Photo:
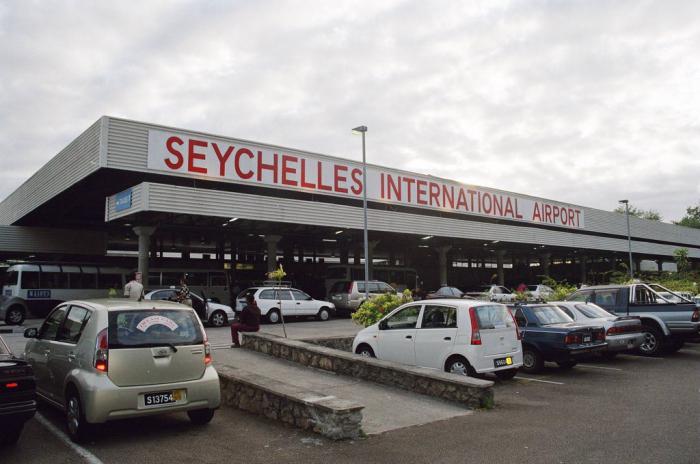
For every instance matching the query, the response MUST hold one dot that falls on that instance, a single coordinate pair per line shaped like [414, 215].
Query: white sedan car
[460, 336]
[290, 301]
[214, 314]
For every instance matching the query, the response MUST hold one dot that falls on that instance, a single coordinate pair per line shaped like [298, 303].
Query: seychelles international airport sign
[215, 159]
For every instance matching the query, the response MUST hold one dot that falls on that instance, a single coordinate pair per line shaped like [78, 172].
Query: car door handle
[46, 352]
[409, 336]
[71, 357]
[298, 302]
[447, 338]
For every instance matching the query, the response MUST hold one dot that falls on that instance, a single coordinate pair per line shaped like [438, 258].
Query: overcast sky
[586, 102]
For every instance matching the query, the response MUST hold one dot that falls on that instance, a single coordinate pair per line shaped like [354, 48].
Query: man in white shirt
[134, 288]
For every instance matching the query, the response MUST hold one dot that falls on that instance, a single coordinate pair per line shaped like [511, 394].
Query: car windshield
[340, 287]
[532, 288]
[547, 315]
[592, 311]
[3, 348]
[244, 294]
[494, 317]
[153, 327]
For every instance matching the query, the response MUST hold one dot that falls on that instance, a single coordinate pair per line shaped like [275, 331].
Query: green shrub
[375, 308]
[561, 289]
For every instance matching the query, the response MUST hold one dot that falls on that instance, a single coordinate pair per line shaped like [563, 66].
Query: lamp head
[623, 201]
[360, 129]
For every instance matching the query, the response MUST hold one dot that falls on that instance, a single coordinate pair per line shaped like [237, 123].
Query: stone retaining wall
[337, 343]
[471, 392]
[327, 415]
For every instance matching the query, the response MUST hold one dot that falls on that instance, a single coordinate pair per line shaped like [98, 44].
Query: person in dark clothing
[249, 321]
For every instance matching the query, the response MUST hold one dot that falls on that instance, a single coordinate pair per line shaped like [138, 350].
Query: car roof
[125, 304]
[462, 302]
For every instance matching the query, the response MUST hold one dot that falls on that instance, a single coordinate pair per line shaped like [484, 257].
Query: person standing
[183, 294]
[249, 321]
[134, 288]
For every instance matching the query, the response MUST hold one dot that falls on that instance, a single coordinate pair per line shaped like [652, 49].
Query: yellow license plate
[509, 360]
[177, 394]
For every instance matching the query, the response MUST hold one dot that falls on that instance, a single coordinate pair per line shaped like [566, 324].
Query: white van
[462, 337]
[37, 288]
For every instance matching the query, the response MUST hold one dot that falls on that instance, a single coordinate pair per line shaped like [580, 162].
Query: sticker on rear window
[150, 321]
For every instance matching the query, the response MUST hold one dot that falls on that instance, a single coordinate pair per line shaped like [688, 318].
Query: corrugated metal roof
[19, 239]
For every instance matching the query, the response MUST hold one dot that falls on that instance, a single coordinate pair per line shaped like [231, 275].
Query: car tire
[201, 416]
[365, 351]
[506, 374]
[79, 430]
[15, 315]
[273, 316]
[218, 319]
[460, 366]
[653, 342]
[566, 365]
[532, 360]
[674, 345]
[323, 314]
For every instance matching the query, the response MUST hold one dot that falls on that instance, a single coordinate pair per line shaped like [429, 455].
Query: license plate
[160, 398]
[586, 339]
[500, 362]
[336, 297]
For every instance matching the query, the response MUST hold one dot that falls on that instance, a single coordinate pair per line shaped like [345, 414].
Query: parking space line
[590, 366]
[539, 380]
[79, 450]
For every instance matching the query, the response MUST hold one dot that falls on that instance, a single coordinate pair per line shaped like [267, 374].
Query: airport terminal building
[137, 194]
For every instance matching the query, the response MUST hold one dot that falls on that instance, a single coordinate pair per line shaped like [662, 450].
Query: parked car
[458, 336]
[214, 314]
[667, 325]
[496, 293]
[348, 295]
[291, 301]
[102, 360]
[17, 395]
[447, 292]
[622, 333]
[539, 292]
[548, 334]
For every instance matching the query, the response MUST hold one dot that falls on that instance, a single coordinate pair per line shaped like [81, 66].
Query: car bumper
[573, 352]
[487, 362]
[17, 412]
[105, 401]
[624, 342]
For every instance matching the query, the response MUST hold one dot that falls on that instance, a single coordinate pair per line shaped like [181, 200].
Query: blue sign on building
[122, 200]
[38, 294]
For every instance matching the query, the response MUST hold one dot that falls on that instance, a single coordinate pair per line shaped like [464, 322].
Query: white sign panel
[197, 156]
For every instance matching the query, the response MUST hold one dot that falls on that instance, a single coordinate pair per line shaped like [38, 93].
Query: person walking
[249, 321]
[134, 288]
[183, 294]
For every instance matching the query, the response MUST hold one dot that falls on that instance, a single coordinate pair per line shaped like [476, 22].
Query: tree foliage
[649, 214]
[691, 218]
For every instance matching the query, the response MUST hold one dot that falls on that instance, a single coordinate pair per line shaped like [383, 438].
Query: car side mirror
[31, 333]
[383, 325]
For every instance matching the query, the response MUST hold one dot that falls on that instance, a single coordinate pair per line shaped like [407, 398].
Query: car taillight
[696, 316]
[102, 352]
[11, 385]
[573, 339]
[349, 290]
[517, 329]
[476, 335]
[599, 335]
[614, 330]
[207, 349]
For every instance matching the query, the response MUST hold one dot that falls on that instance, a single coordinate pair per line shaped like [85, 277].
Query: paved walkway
[386, 408]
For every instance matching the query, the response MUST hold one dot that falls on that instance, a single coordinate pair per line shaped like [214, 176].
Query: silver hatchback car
[101, 360]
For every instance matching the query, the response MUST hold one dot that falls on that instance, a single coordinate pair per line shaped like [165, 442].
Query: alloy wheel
[649, 344]
[528, 360]
[458, 367]
[217, 320]
[14, 316]
[73, 415]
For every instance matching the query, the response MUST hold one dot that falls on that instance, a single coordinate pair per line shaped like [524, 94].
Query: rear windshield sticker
[150, 321]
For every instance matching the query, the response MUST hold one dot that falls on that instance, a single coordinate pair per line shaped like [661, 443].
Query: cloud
[582, 102]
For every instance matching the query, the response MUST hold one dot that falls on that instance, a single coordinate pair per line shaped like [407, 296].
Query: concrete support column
[582, 262]
[357, 256]
[442, 262]
[613, 262]
[660, 265]
[272, 241]
[637, 264]
[544, 263]
[344, 253]
[144, 233]
[499, 266]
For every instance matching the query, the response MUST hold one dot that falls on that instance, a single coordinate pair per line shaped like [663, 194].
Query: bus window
[54, 280]
[88, 281]
[12, 277]
[109, 281]
[30, 280]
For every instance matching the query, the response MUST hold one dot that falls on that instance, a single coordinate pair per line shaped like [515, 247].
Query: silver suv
[101, 360]
[348, 295]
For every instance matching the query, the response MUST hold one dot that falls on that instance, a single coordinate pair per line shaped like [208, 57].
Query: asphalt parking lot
[632, 409]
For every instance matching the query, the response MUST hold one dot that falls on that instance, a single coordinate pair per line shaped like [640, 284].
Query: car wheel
[78, 428]
[218, 319]
[273, 316]
[14, 315]
[532, 360]
[566, 365]
[365, 351]
[506, 374]
[323, 314]
[653, 341]
[460, 366]
[201, 416]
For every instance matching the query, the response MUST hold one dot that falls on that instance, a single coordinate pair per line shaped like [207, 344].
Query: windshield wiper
[172, 346]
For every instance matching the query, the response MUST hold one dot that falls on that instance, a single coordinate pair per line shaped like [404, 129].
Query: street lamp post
[629, 237]
[362, 130]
